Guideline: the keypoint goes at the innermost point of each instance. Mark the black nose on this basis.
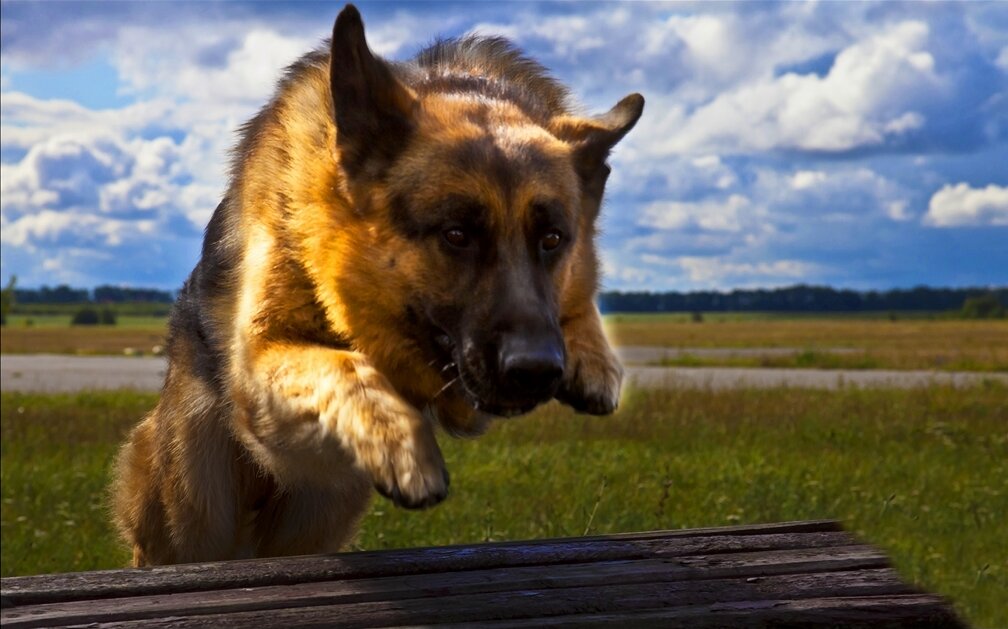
(531, 367)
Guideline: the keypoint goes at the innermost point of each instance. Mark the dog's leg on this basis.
(137, 509)
(315, 411)
(174, 497)
(312, 518)
(593, 375)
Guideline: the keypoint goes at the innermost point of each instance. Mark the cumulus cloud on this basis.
(964, 206)
(771, 142)
(867, 97)
(807, 178)
(27, 121)
(719, 272)
(832, 189)
(897, 210)
(710, 271)
(103, 173)
(72, 228)
(101, 192)
(711, 215)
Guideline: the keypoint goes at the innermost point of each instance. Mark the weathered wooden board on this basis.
(791, 574)
(249, 573)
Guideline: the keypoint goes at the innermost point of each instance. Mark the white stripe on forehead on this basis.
(512, 139)
(509, 133)
(476, 97)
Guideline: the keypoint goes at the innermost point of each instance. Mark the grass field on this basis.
(123, 322)
(915, 343)
(53, 334)
(921, 473)
(880, 343)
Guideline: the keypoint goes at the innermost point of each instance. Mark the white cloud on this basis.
(724, 170)
(244, 77)
(46, 225)
(807, 178)
(716, 270)
(92, 191)
(27, 121)
(724, 271)
(617, 274)
(710, 42)
(837, 189)
(1002, 59)
(961, 205)
(864, 100)
(73, 228)
(907, 122)
(897, 210)
(706, 161)
(711, 215)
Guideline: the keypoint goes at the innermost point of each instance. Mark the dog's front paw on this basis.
(405, 461)
(592, 382)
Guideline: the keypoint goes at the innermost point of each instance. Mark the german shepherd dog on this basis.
(401, 245)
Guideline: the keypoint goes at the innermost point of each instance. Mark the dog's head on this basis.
(480, 211)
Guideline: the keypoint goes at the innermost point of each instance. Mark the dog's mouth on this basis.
(459, 380)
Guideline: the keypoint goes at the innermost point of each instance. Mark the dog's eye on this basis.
(551, 240)
(456, 238)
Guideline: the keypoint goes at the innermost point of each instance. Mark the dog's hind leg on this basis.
(137, 509)
(201, 489)
(175, 495)
(312, 518)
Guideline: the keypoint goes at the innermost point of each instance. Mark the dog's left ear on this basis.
(373, 109)
(594, 137)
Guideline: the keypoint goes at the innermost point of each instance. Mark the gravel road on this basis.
(52, 373)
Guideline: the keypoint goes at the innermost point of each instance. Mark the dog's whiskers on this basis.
(450, 365)
(445, 388)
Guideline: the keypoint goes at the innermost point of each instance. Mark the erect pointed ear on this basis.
(373, 109)
(593, 138)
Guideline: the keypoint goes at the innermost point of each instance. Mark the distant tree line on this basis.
(61, 294)
(117, 294)
(104, 294)
(799, 298)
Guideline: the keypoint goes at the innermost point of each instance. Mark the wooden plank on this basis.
(752, 566)
(288, 570)
(913, 611)
(722, 596)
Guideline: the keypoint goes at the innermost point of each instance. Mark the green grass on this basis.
(54, 459)
(942, 344)
(805, 359)
(756, 315)
(921, 473)
(132, 308)
(870, 343)
(63, 321)
(825, 359)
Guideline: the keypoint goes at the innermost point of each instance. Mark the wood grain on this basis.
(780, 575)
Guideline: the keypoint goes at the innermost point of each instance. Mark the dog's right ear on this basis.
(373, 109)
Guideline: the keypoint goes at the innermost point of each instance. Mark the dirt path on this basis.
(54, 373)
(645, 355)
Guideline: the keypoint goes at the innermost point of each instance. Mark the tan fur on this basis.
(303, 386)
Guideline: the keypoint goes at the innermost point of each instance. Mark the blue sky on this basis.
(860, 145)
